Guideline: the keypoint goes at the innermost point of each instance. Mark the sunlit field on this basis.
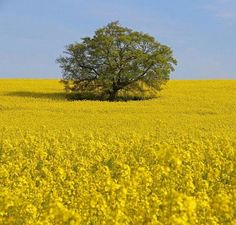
(169, 160)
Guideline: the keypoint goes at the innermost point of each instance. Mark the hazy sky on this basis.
(202, 33)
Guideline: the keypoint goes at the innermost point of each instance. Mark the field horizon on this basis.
(58, 79)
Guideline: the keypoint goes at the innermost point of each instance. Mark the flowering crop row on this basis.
(169, 161)
(69, 179)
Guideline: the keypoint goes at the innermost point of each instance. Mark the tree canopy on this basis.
(116, 58)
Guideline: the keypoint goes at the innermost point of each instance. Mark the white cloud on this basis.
(230, 15)
(224, 9)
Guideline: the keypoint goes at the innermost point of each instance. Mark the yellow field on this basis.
(169, 160)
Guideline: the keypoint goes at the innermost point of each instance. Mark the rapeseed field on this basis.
(169, 160)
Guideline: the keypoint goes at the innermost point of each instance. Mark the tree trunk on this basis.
(112, 95)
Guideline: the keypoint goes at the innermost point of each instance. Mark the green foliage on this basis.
(116, 58)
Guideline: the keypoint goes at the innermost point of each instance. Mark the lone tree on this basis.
(116, 58)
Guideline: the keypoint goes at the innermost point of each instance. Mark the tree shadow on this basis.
(100, 97)
(73, 96)
(38, 95)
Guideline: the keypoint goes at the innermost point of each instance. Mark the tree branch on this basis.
(143, 74)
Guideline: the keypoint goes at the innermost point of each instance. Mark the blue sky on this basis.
(202, 33)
